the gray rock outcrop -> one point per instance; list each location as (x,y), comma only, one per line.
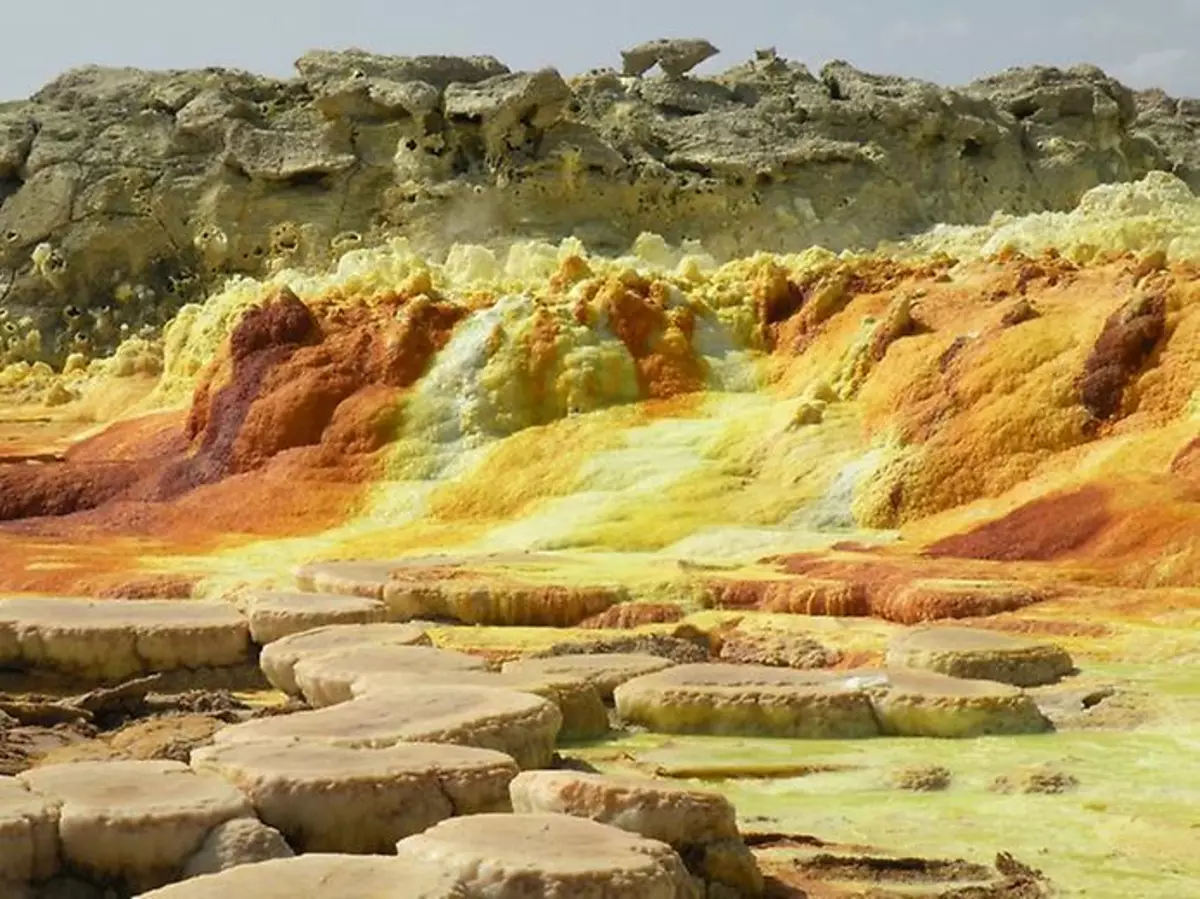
(125,193)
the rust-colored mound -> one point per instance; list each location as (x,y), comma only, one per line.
(1042,530)
(630,615)
(279,439)
(796,596)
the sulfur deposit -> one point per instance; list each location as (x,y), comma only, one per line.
(646,483)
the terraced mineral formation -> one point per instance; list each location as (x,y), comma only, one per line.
(111,640)
(922,704)
(584,716)
(273,616)
(412,590)
(782,702)
(329,678)
(327,798)
(747,699)
(323,876)
(604,671)
(701,826)
(519,724)
(511,856)
(278,659)
(135,823)
(980,655)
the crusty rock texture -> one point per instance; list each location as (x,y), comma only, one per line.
(28,835)
(242,841)
(125,193)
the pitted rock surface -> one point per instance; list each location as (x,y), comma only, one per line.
(159,185)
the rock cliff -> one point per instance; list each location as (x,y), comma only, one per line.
(127,193)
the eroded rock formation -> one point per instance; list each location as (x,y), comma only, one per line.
(126,193)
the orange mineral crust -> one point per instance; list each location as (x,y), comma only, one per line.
(984,422)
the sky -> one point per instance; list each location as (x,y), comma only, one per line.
(1151,43)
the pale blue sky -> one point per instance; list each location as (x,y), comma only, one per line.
(1154,42)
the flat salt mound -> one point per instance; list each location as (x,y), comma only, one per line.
(370,578)
(980,655)
(521,725)
(605,671)
(519,856)
(277,615)
(583,712)
(700,824)
(136,822)
(365,579)
(113,639)
(326,679)
(463,589)
(655,809)
(933,599)
(336,799)
(753,700)
(924,704)
(28,834)
(320,877)
(278,660)
(750,700)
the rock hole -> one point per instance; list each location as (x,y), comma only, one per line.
(1023,108)
(971,149)
(308,179)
